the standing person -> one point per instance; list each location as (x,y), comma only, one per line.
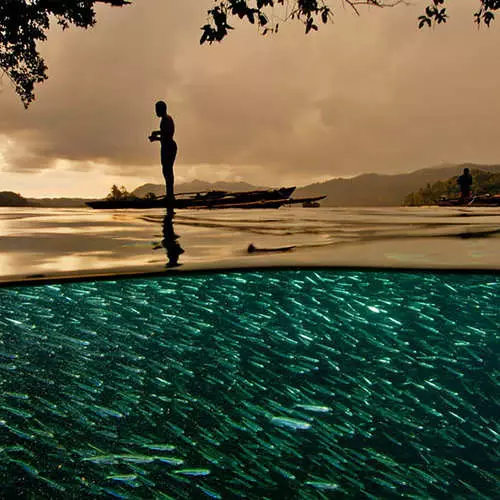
(465,182)
(168,149)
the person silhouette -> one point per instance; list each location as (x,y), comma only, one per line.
(465,182)
(168,149)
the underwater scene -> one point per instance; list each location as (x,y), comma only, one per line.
(307,384)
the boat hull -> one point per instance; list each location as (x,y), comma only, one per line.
(213,199)
(478,201)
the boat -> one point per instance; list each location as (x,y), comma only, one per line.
(266,203)
(485,200)
(312,201)
(268,198)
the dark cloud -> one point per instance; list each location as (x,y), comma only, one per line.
(365,94)
(98,104)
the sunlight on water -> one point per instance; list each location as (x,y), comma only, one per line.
(295,384)
(60,244)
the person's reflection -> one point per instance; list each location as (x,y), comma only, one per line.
(169,241)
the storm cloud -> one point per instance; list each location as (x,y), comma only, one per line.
(365,94)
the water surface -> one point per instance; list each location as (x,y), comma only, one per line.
(62,243)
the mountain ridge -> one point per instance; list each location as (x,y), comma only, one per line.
(367,189)
(195,186)
(377,190)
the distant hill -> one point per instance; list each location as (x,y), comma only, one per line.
(141,191)
(194,186)
(369,190)
(58,202)
(10,199)
(483,183)
(375,190)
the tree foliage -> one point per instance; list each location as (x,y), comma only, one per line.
(119,194)
(436,13)
(10,199)
(267,15)
(24,24)
(484,183)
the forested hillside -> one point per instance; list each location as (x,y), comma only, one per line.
(483,183)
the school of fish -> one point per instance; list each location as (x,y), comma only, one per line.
(289,384)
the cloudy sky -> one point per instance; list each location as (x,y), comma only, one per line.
(364,94)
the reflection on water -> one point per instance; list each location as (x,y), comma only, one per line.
(54,243)
(170,241)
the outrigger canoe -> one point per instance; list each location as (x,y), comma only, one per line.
(202,199)
(272,198)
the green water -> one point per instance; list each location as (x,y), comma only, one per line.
(295,384)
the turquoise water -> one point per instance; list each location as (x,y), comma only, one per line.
(291,384)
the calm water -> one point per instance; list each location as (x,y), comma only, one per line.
(59,243)
(307,383)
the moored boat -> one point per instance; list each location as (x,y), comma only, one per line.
(271,198)
(476,201)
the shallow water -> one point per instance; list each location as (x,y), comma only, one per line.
(291,384)
(62,243)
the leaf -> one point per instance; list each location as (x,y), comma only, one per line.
(423,20)
(441,16)
(488,17)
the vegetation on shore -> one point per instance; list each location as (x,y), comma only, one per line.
(483,183)
(121,194)
(10,199)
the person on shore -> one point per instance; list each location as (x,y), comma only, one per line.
(465,183)
(168,149)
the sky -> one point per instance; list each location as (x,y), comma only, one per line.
(368,93)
